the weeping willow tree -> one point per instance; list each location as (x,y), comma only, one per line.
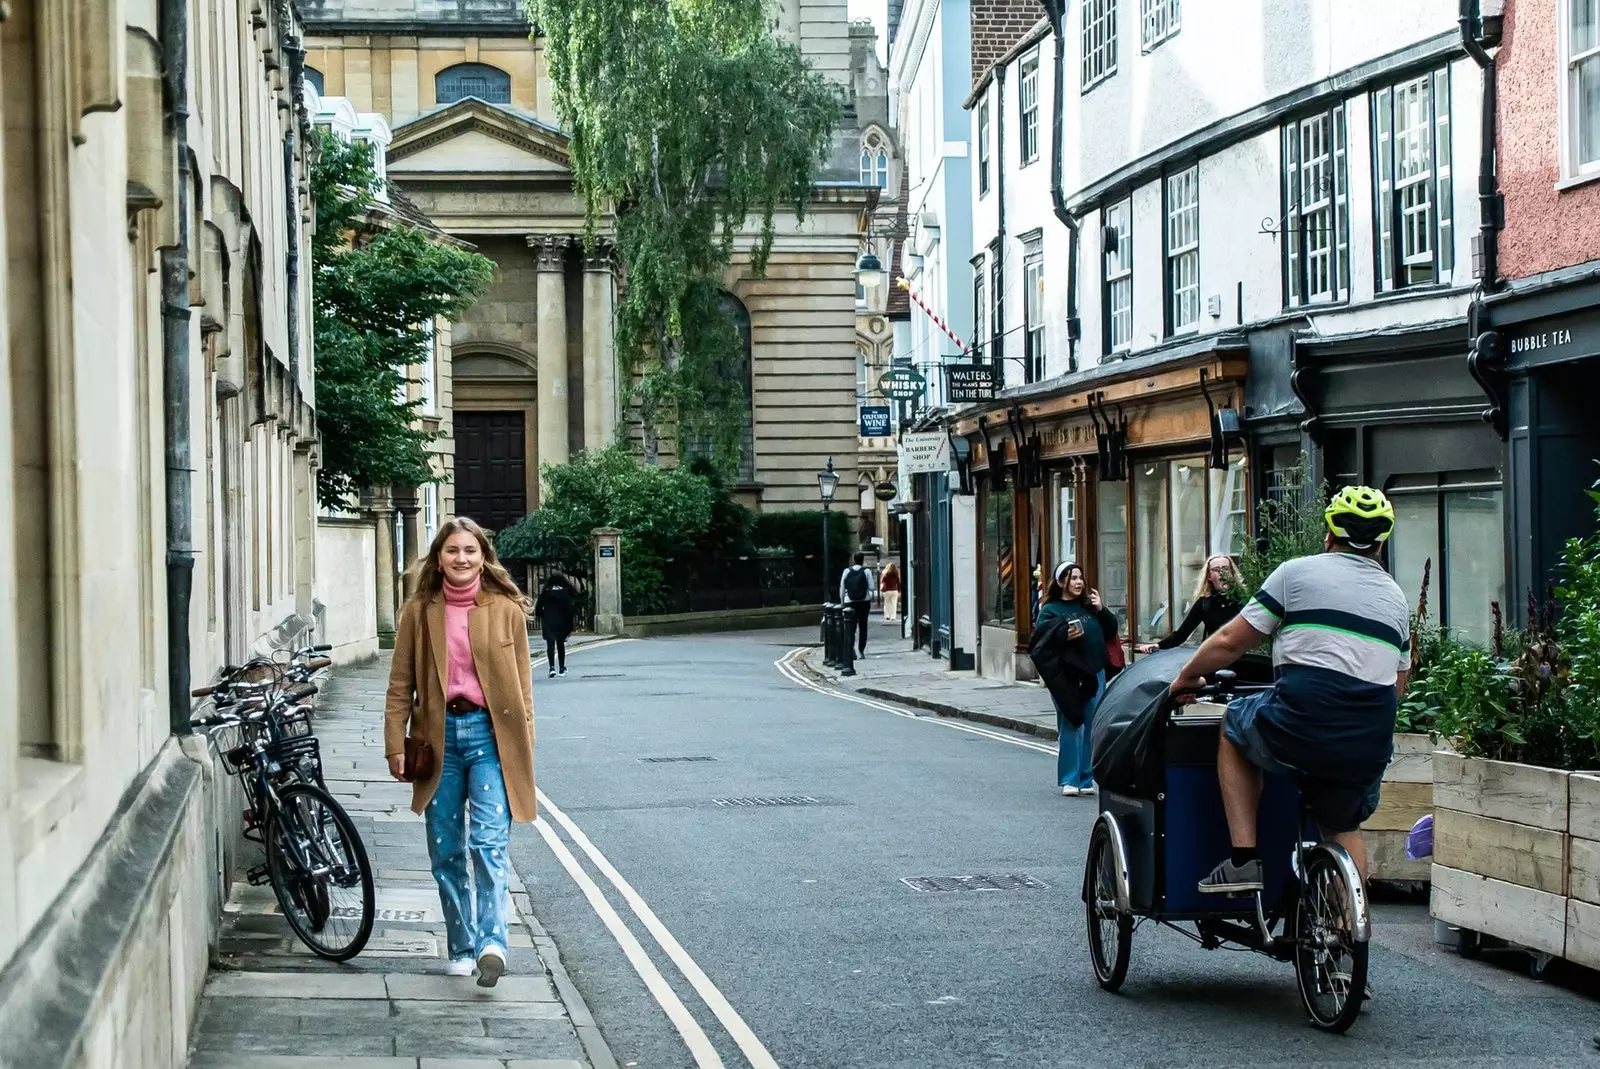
(693,124)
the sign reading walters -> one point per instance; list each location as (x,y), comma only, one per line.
(967,383)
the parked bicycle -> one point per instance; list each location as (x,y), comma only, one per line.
(260,726)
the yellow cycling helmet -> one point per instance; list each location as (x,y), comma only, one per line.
(1360,517)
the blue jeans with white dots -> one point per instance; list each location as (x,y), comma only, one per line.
(469,815)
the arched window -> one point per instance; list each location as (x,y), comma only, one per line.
(874,160)
(314,79)
(490,84)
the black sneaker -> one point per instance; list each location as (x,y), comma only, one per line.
(1230,879)
(563,670)
(552,673)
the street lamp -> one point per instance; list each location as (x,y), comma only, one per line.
(869,271)
(827,485)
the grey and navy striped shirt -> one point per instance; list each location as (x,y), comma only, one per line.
(1336,611)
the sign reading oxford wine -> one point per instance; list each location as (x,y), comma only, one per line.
(874,421)
(968,383)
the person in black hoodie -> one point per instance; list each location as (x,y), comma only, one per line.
(1071,634)
(1214,604)
(556,608)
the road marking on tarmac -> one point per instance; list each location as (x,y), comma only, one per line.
(785,665)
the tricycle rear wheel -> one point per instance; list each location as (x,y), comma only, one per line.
(1110,930)
(1329,962)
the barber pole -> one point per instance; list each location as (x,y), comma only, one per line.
(905,284)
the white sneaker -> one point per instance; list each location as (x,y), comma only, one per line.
(460,967)
(1087,790)
(1070,792)
(491,966)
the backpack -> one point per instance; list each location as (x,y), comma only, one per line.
(855,584)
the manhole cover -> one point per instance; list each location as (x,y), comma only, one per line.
(1009,881)
(782,799)
(671,760)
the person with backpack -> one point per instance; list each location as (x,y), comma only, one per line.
(855,590)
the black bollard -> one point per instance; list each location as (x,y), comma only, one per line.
(830,636)
(847,638)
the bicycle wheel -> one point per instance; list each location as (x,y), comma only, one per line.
(1110,931)
(1329,963)
(320,873)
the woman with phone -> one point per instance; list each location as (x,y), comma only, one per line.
(1090,629)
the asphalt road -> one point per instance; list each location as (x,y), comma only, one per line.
(797,913)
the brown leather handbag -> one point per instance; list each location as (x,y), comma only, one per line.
(419,759)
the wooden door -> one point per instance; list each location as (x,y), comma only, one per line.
(491,468)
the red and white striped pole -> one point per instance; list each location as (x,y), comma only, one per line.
(906,285)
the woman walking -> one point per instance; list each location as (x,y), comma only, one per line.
(556,609)
(889,584)
(1080,644)
(1214,604)
(458,726)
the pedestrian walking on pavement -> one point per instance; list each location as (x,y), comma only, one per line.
(855,589)
(556,608)
(889,584)
(1089,629)
(459,712)
(1215,603)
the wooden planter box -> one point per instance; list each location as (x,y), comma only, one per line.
(1500,851)
(1407,797)
(1583,869)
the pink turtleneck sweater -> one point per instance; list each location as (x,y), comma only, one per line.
(463,677)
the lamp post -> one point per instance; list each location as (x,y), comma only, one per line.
(828,485)
(869,271)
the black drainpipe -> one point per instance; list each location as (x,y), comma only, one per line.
(997,330)
(174,16)
(1491,204)
(1056,11)
(297,69)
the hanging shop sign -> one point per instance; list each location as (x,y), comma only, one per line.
(885,491)
(923,452)
(874,421)
(902,384)
(969,383)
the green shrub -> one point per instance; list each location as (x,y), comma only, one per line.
(801,533)
(1289,524)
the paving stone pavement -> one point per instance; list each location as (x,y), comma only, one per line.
(891,671)
(270,1004)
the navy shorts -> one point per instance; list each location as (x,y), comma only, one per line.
(1336,807)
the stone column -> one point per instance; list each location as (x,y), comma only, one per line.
(599,353)
(607,543)
(552,343)
(383,562)
(410,509)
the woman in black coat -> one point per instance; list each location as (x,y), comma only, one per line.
(1214,604)
(556,609)
(1072,633)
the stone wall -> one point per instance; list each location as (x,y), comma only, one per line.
(347,588)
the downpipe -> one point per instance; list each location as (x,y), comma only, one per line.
(1491,208)
(997,330)
(175,322)
(1055,10)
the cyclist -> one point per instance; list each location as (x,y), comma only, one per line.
(1341,634)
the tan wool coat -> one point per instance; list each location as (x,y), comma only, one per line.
(417,677)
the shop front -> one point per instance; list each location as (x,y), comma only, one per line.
(1539,362)
(1399,410)
(1136,470)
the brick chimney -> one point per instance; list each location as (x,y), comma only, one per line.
(997,25)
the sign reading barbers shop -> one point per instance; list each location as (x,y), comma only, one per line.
(969,383)
(924,452)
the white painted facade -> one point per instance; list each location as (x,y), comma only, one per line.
(930,73)
(1215,96)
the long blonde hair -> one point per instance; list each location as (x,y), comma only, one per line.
(1203,590)
(428,578)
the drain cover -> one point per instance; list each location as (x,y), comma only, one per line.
(671,760)
(784,799)
(1009,881)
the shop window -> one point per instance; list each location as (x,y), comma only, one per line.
(983,147)
(1188,484)
(1411,153)
(490,84)
(1118,287)
(1000,606)
(1028,103)
(1111,525)
(1230,508)
(1064,517)
(1316,197)
(1580,88)
(1458,524)
(1099,41)
(1152,605)
(1183,250)
(1033,309)
(1158,20)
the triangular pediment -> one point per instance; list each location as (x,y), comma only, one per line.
(473,137)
